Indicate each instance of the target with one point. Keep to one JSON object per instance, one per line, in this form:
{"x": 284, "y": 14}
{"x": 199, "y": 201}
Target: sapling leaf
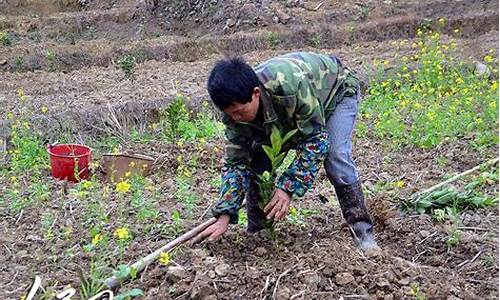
{"x": 278, "y": 160}
{"x": 289, "y": 134}
{"x": 269, "y": 151}
{"x": 276, "y": 140}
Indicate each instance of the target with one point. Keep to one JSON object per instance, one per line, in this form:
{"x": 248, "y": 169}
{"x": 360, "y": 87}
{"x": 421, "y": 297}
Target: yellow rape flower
{"x": 494, "y": 85}
{"x": 44, "y": 109}
{"x": 488, "y": 58}
{"x": 164, "y": 258}
{"x": 96, "y": 239}
{"x": 86, "y": 184}
{"x": 122, "y": 233}
{"x": 122, "y": 187}
{"x": 400, "y": 183}
{"x": 442, "y": 21}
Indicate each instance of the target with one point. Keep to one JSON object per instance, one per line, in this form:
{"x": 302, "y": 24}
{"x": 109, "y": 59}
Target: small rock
{"x": 202, "y": 290}
{"x": 404, "y": 281}
{"x": 197, "y": 20}
{"x": 344, "y": 278}
{"x": 282, "y": 17}
{"x": 222, "y": 269}
{"x": 424, "y": 233}
{"x": 33, "y": 238}
{"x": 209, "y": 260}
{"x": 176, "y": 273}
{"x": 283, "y": 293}
{"x": 312, "y": 279}
{"x": 260, "y": 251}
{"x": 382, "y": 283}
{"x": 230, "y": 23}
{"x": 482, "y": 69}
{"x": 211, "y": 274}
{"x": 3, "y": 62}
{"x": 276, "y": 19}
{"x": 328, "y": 272}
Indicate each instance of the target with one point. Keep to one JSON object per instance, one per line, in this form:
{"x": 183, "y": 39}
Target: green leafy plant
{"x": 51, "y": 60}
{"x": 129, "y": 294}
{"x": 5, "y": 39}
{"x": 267, "y": 179}
{"x": 272, "y": 39}
{"x": 127, "y": 64}
{"x": 174, "y": 113}
{"x": 91, "y": 284}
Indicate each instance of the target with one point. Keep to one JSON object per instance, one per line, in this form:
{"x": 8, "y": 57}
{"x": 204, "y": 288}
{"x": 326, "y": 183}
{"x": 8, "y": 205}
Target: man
{"x": 313, "y": 93}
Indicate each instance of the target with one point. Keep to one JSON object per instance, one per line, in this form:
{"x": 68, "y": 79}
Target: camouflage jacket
{"x": 298, "y": 91}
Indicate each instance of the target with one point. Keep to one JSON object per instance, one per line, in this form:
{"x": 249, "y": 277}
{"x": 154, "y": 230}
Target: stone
{"x": 3, "y": 62}
{"x": 382, "y": 283}
{"x": 176, "y": 273}
{"x": 282, "y": 16}
{"x": 211, "y": 274}
{"x": 328, "y": 272}
{"x": 260, "y": 251}
{"x": 230, "y": 23}
{"x": 283, "y": 293}
{"x": 344, "y": 278}
{"x": 222, "y": 269}
{"x": 424, "y": 233}
{"x": 276, "y": 19}
{"x": 202, "y": 290}
{"x": 312, "y": 279}
{"x": 404, "y": 281}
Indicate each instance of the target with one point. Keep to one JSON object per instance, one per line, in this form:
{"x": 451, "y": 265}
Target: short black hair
{"x": 231, "y": 80}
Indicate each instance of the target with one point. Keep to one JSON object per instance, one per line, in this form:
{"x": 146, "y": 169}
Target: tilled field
{"x": 175, "y": 45}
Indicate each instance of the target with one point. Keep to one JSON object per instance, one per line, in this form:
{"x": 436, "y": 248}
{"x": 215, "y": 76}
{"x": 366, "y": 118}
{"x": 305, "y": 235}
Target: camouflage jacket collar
{"x": 266, "y": 100}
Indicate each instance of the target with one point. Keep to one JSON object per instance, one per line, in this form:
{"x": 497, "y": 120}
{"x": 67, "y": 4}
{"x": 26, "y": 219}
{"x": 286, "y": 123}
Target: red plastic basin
{"x": 69, "y": 161}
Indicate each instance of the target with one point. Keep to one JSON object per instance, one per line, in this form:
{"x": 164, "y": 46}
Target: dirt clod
{"x": 176, "y": 273}
{"x": 344, "y": 278}
{"x": 222, "y": 269}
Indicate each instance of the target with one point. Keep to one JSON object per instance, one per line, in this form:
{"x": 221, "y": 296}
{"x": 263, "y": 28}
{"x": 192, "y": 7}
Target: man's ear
{"x": 256, "y": 92}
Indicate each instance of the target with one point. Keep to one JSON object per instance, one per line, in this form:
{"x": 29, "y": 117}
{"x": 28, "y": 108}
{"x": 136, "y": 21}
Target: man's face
{"x": 245, "y": 112}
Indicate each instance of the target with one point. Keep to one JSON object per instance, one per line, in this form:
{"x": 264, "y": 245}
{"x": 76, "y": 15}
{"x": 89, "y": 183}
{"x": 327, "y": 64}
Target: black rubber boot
{"x": 352, "y": 204}
{"x": 255, "y": 214}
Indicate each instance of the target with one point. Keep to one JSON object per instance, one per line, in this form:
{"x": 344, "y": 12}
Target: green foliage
{"x": 415, "y": 292}
{"x": 5, "y": 39}
{"x": 51, "y": 60}
{"x": 471, "y": 198}
{"x": 441, "y": 100}
{"x": 267, "y": 179}
{"x": 19, "y": 62}
{"x": 127, "y": 64}
{"x": 129, "y": 294}
{"x": 92, "y": 284}
{"x": 272, "y": 39}
{"x": 297, "y": 216}
{"x": 177, "y": 124}
{"x": 28, "y": 153}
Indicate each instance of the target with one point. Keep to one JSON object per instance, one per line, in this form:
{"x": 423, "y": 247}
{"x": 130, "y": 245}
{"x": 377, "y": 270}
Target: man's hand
{"x": 279, "y": 205}
{"x": 214, "y": 231}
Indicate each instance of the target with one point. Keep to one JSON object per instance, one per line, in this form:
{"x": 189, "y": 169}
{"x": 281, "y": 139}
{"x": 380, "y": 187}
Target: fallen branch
{"x": 113, "y": 281}
{"x": 454, "y": 178}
